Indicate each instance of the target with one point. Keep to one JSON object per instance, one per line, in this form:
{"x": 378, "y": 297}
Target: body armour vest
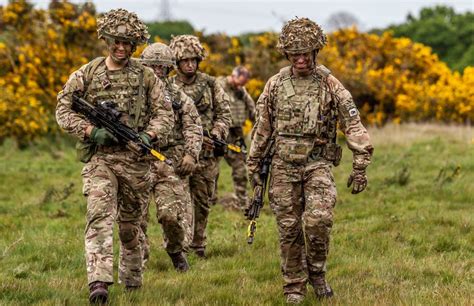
{"x": 238, "y": 107}
{"x": 125, "y": 87}
{"x": 301, "y": 122}
{"x": 202, "y": 93}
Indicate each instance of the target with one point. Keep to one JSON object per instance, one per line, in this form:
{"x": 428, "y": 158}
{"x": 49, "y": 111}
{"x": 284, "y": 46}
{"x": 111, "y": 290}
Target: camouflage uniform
{"x": 301, "y": 114}
{"x": 115, "y": 179}
{"x": 212, "y": 104}
{"x": 242, "y": 107}
{"x": 186, "y": 139}
{"x": 170, "y": 187}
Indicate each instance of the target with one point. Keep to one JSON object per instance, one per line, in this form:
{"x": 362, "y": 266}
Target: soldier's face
{"x": 302, "y": 63}
{"x": 161, "y": 71}
{"x": 240, "y": 81}
{"x": 188, "y": 66}
{"x": 119, "y": 50}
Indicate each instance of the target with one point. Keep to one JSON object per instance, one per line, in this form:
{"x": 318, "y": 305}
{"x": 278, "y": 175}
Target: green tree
{"x": 449, "y": 34}
{"x": 165, "y": 29}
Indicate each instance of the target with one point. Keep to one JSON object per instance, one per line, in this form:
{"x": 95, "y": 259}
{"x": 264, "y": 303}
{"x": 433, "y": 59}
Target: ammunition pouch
{"x": 85, "y": 150}
{"x": 331, "y": 152}
{"x": 294, "y": 150}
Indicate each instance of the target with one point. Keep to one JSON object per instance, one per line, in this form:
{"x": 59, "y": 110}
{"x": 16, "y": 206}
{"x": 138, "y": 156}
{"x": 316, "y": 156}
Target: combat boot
{"x": 321, "y": 287}
{"x": 132, "y": 288}
{"x": 180, "y": 262}
{"x": 294, "y": 298}
{"x": 98, "y": 293}
{"x": 200, "y": 253}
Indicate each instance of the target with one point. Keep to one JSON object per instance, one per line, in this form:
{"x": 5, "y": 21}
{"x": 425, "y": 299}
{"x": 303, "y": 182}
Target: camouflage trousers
{"x": 173, "y": 203}
{"x": 239, "y": 177}
{"x": 115, "y": 186}
{"x": 239, "y": 174}
{"x": 201, "y": 186}
{"x": 302, "y": 198}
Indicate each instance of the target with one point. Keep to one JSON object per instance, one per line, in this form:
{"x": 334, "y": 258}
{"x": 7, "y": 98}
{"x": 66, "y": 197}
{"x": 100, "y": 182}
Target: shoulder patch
{"x": 353, "y": 112}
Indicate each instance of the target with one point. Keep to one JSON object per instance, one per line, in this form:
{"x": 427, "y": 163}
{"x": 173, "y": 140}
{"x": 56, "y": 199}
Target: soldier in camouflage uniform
{"x": 115, "y": 178}
{"x": 298, "y": 113}
{"x": 170, "y": 186}
{"x": 212, "y": 104}
{"x": 242, "y": 107}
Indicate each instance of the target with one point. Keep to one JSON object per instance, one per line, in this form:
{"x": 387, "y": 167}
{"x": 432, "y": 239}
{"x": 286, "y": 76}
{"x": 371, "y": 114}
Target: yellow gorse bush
{"x": 38, "y": 51}
{"x": 390, "y": 78}
{"x": 398, "y": 79}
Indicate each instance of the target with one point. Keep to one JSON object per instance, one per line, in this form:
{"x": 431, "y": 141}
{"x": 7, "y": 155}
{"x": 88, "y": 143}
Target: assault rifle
{"x": 106, "y": 116}
{"x": 258, "y": 194}
{"x": 221, "y": 143}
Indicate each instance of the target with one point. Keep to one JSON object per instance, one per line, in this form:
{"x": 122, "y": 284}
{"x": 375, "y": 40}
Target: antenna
{"x": 165, "y": 11}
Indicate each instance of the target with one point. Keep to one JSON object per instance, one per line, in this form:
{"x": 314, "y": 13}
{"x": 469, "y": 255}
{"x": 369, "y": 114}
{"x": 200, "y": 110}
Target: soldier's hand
{"x": 188, "y": 165}
{"x": 102, "y": 137}
{"x": 255, "y": 179}
{"x": 215, "y": 134}
{"x": 146, "y": 138}
{"x": 358, "y": 179}
{"x": 207, "y": 144}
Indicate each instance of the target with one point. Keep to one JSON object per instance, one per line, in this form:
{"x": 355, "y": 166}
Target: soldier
{"x": 298, "y": 114}
{"x": 170, "y": 187}
{"x": 242, "y": 107}
{"x": 114, "y": 177}
{"x": 212, "y": 104}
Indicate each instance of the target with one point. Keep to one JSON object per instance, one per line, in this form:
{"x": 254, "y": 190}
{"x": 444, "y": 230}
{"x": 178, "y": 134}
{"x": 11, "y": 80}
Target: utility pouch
{"x": 294, "y": 150}
{"x": 85, "y": 150}
{"x": 333, "y": 153}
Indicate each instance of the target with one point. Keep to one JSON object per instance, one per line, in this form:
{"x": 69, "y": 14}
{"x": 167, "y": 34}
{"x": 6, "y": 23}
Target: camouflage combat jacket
{"x": 137, "y": 93}
{"x": 211, "y": 102}
{"x": 242, "y": 106}
{"x": 301, "y": 114}
{"x": 186, "y": 136}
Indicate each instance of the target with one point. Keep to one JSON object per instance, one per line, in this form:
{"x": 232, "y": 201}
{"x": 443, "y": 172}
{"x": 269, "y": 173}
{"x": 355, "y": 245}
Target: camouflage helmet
{"x": 187, "y": 46}
{"x": 158, "y": 54}
{"x": 301, "y": 35}
{"x": 124, "y": 25}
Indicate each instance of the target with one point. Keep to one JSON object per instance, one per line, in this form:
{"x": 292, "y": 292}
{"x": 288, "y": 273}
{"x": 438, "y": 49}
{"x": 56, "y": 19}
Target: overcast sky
{"x": 235, "y": 17}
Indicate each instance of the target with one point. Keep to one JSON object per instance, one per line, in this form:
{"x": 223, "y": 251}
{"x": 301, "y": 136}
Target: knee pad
{"x": 128, "y": 233}
{"x": 318, "y": 221}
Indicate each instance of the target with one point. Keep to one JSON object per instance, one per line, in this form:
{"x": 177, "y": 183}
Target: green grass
{"x": 407, "y": 240}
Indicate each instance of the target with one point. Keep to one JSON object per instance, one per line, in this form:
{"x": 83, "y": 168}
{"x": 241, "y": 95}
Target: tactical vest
{"x": 202, "y": 93}
{"x": 238, "y": 107}
{"x": 305, "y": 113}
{"x": 125, "y": 87}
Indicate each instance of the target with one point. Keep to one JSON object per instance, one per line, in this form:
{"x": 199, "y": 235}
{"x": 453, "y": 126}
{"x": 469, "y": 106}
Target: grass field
{"x": 407, "y": 240}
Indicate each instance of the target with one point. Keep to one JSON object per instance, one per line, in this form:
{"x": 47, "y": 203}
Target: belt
{"x": 285, "y": 134}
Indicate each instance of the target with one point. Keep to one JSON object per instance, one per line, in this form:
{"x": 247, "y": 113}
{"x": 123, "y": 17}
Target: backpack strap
{"x": 90, "y": 69}
{"x": 285, "y": 74}
{"x": 139, "y": 69}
